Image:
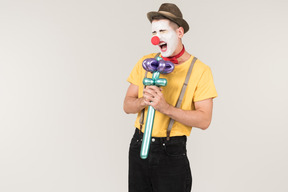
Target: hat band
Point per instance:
(168, 14)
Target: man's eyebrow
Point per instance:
(153, 31)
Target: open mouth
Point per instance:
(163, 46)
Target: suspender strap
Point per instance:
(178, 104)
(141, 120)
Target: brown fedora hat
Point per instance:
(171, 12)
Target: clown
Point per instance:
(168, 36)
(185, 102)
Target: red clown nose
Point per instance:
(155, 40)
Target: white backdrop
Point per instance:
(63, 70)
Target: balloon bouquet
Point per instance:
(155, 66)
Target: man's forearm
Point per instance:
(192, 118)
(133, 105)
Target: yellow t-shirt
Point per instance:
(200, 87)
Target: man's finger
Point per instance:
(156, 89)
(150, 92)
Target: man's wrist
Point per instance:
(168, 110)
(142, 103)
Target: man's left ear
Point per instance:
(180, 32)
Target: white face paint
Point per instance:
(167, 35)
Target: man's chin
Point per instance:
(165, 54)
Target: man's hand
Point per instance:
(154, 97)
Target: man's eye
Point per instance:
(154, 33)
(162, 31)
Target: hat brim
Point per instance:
(181, 22)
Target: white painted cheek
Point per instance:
(171, 39)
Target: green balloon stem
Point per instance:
(146, 141)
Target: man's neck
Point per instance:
(183, 58)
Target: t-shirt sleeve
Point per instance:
(205, 88)
(135, 75)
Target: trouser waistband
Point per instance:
(156, 140)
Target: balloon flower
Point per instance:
(155, 66)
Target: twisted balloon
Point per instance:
(162, 66)
(155, 66)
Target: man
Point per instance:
(167, 167)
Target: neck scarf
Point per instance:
(173, 59)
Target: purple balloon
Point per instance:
(150, 64)
(169, 67)
(162, 66)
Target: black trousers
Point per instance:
(166, 169)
